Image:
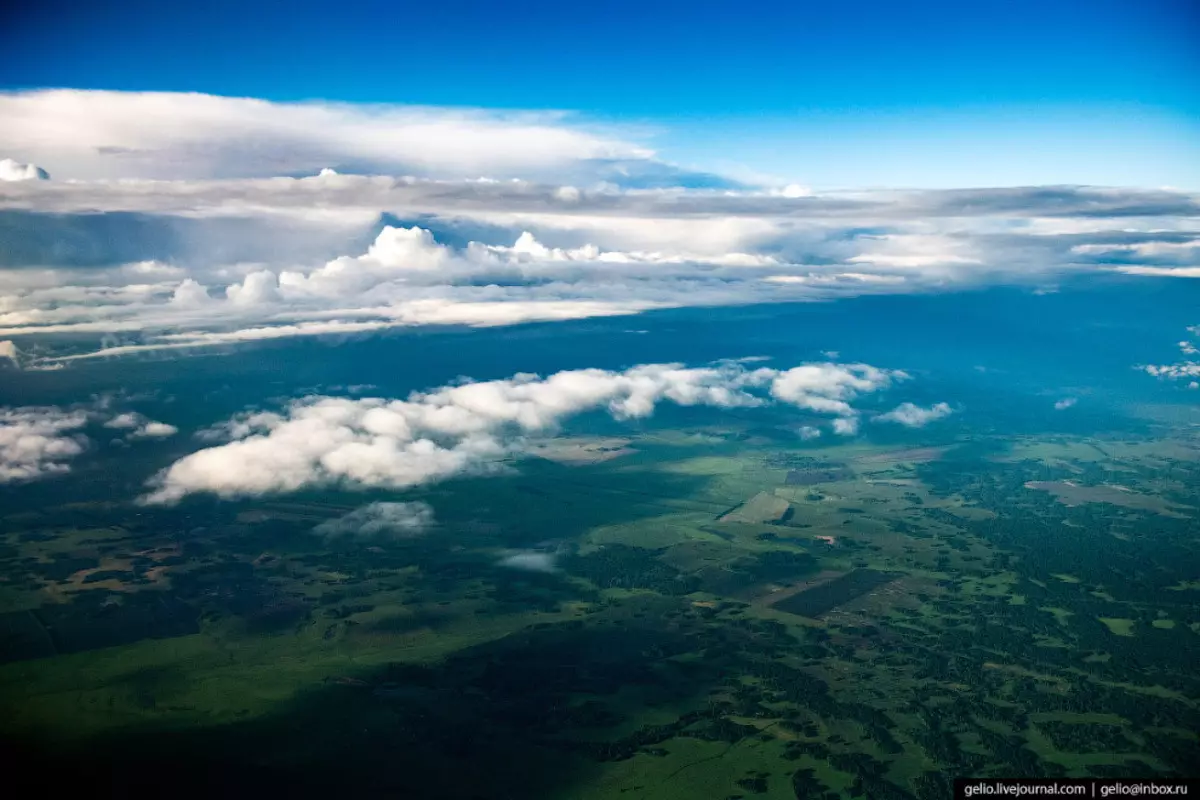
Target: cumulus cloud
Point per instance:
(36, 442)
(380, 521)
(139, 427)
(846, 426)
(914, 416)
(9, 352)
(256, 289)
(470, 427)
(127, 420)
(1065, 403)
(190, 294)
(154, 430)
(1187, 369)
(15, 171)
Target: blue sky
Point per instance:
(825, 93)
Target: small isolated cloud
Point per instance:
(380, 521)
(15, 171)
(469, 428)
(154, 430)
(124, 421)
(808, 433)
(914, 416)
(140, 427)
(36, 442)
(1183, 370)
(529, 561)
(9, 352)
(845, 426)
(1065, 403)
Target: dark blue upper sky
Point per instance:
(622, 57)
(780, 66)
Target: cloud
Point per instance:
(157, 135)
(1183, 370)
(9, 352)
(38, 441)
(829, 388)
(190, 295)
(216, 255)
(530, 562)
(124, 421)
(154, 430)
(139, 427)
(846, 426)
(914, 416)
(256, 289)
(469, 428)
(1162, 272)
(14, 171)
(1065, 403)
(380, 521)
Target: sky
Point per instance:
(862, 94)
(198, 180)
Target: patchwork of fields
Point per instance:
(681, 608)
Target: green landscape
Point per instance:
(706, 611)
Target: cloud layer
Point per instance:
(471, 427)
(99, 134)
(565, 223)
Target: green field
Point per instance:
(718, 622)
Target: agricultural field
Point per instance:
(700, 609)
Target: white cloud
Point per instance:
(914, 416)
(258, 288)
(175, 264)
(1162, 272)
(1065, 403)
(1174, 371)
(829, 388)
(1180, 371)
(529, 561)
(380, 521)
(845, 426)
(15, 171)
(36, 442)
(100, 134)
(9, 352)
(154, 430)
(139, 427)
(190, 294)
(1151, 249)
(808, 433)
(468, 428)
